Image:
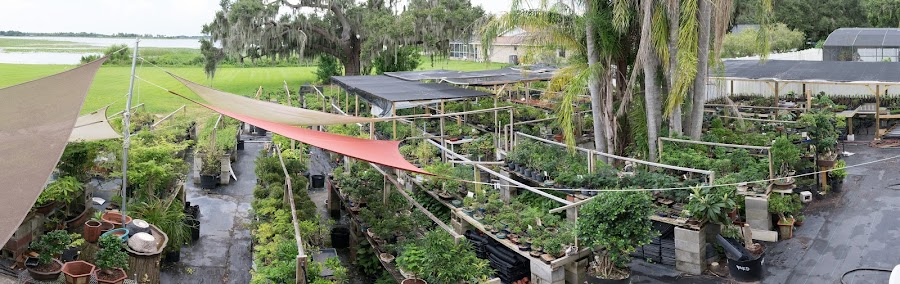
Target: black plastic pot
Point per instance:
(340, 237)
(208, 181)
(318, 181)
(261, 132)
(240, 145)
(747, 271)
(172, 256)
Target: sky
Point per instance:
(165, 17)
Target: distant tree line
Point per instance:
(84, 34)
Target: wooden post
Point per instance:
(394, 115)
(356, 112)
(776, 95)
(386, 190)
(877, 112)
(732, 88)
(372, 130)
(301, 272)
(771, 165)
(346, 101)
(808, 99)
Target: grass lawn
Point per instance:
(111, 84)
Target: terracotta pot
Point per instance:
(115, 218)
(413, 281)
(92, 230)
(786, 228)
(78, 272)
(46, 208)
(118, 273)
(105, 227)
(53, 274)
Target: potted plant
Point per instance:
(708, 204)
(111, 260)
(438, 258)
(78, 272)
(211, 167)
(785, 154)
(618, 222)
(59, 192)
(836, 177)
(48, 248)
(783, 205)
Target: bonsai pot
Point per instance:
(92, 230)
(78, 272)
(117, 276)
(386, 257)
(547, 258)
(597, 280)
(826, 162)
(786, 228)
(138, 226)
(105, 227)
(47, 272)
(122, 233)
(784, 183)
(209, 181)
(79, 219)
(46, 208)
(413, 281)
(115, 218)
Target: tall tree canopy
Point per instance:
(815, 18)
(882, 13)
(352, 31)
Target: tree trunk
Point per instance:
(675, 125)
(696, 123)
(651, 87)
(600, 143)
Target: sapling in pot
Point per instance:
(111, 260)
(49, 247)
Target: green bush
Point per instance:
(112, 254)
(617, 221)
(328, 66)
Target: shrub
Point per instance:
(328, 66)
(111, 254)
(51, 244)
(617, 221)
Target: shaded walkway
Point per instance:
(223, 253)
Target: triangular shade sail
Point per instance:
(36, 119)
(268, 111)
(93, 127)
(386, 153)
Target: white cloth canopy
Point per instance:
(268, 111)
(93, 127)
(36, 119)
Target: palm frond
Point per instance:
(659, 34)
(687, 55)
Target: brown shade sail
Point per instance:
(36, 119)
(386, 153)
(93, 127)
(268, 111)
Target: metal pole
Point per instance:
(127, 133)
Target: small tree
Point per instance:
(328, 66)
(51, 245)
(784, 154)
(618, 222)
(111, 255)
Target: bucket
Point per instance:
(340, 237)
(318, 181)
(747, 271)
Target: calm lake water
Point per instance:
(22, 55)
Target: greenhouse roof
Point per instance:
(384, 88)
(494, 77)
(864, 37)
(830, 71)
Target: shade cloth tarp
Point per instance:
(384, 91)
(92, 127)
(37, 119)
(267, 110)
(831, 71)
(502, 76)
(386, 153)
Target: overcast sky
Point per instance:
(167, 17)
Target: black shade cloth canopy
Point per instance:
(864, 37)
(384, 91)
(831, 71)
(495, 77)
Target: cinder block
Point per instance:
(688, 246)
(692, 257)
(688, 267)
(687, 235)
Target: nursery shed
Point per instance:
(862, 44)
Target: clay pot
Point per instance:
(115, 218)
(118, 277)
(78, 272)
(53, 274)
(92, 230)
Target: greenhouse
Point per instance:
(862, 44)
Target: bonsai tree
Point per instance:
(785, 155)
(618, 222)
(62, 190)
(110, 257)
(785, 206)
(710, 204)
(839, 172)
(439, 259)
(49, 246)
(820, 124)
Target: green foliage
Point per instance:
(167, 216)
(50, 245)
(327, 66)
(785, 204)
(785, 154)
(400, 59)
(882, 13)
(815, 18)
(437, 258)
(119, 54)
(618, 222)
(112, 254)
(839, 172)
(711, 204)
(782, 39)
(820, 126)
(77, 159)
(62, 190)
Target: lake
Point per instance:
(71, 49)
